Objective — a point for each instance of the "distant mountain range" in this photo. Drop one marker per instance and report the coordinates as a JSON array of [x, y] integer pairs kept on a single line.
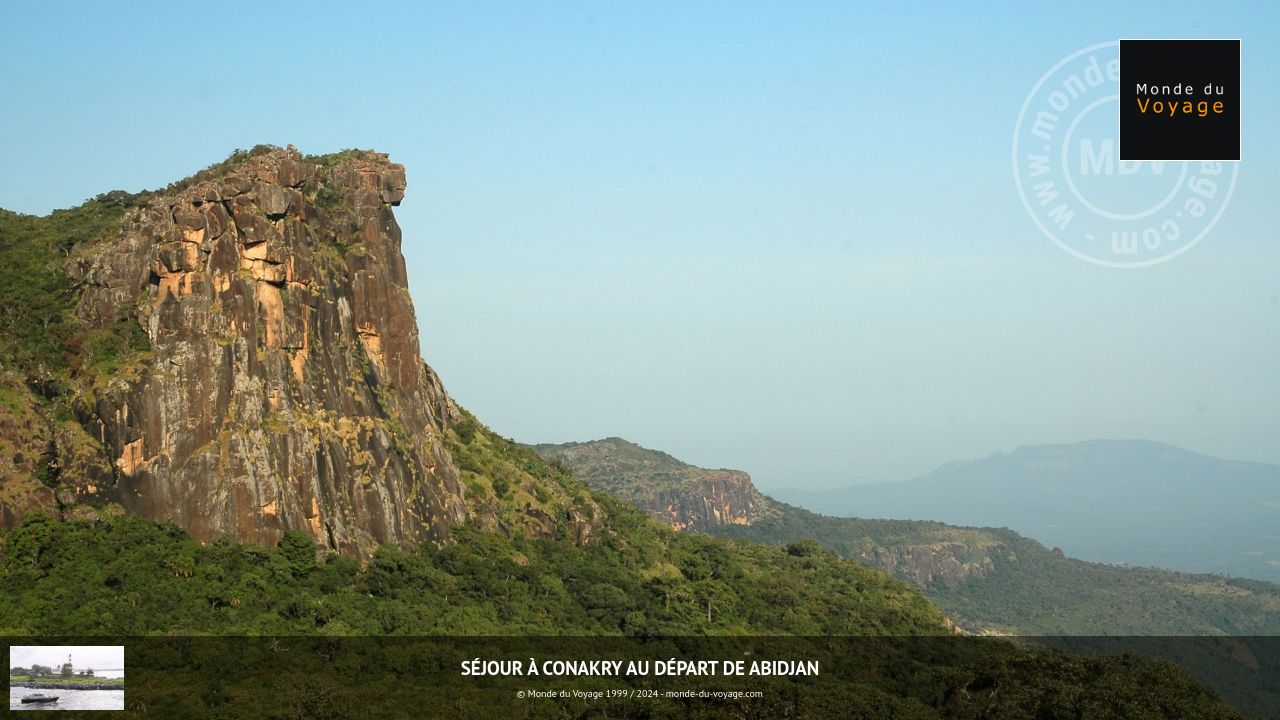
[[987, 579], [1135, 502]]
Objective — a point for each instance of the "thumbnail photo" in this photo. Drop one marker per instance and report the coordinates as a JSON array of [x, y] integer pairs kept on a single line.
[[66, 677]]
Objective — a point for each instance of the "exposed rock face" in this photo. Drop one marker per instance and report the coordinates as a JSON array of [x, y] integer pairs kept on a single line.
[[284, 388], [691, 498], [681, 495], [715, 497], [948, 564]]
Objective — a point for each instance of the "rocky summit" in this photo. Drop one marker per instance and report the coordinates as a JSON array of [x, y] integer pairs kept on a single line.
[[276, 381], [677, 493]]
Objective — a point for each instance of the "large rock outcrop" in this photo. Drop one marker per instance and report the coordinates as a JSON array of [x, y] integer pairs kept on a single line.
[[713, 497], [283, 387], [681, 495], [948, 563]]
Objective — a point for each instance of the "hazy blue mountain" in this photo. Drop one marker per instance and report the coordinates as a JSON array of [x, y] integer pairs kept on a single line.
[[1120, 501]]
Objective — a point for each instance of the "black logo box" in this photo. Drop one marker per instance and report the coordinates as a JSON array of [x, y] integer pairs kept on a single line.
[[1187, 68]]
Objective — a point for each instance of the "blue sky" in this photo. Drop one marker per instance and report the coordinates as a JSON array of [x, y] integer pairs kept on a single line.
[[783, 237]]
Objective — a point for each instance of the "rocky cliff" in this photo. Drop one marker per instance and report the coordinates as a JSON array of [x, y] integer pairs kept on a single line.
[[681, 495], [946, 563], [691, 498], [244, 359]]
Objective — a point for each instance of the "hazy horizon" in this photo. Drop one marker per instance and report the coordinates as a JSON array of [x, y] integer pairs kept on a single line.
[[783, 240], [999, 453]]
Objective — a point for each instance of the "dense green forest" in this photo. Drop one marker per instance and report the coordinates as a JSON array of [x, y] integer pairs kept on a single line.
[[128, 575], [132, 576]]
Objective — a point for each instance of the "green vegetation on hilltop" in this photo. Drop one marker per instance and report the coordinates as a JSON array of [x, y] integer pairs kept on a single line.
[[1040, 592], [131, 576], [513, 486], [623, 468], [48, 356], [136, 576], [238, 157], [1019, 586], [334, 158], [38, 334]]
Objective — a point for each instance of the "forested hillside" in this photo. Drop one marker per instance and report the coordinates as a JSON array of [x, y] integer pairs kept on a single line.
[[988, 580], [995, 580]]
